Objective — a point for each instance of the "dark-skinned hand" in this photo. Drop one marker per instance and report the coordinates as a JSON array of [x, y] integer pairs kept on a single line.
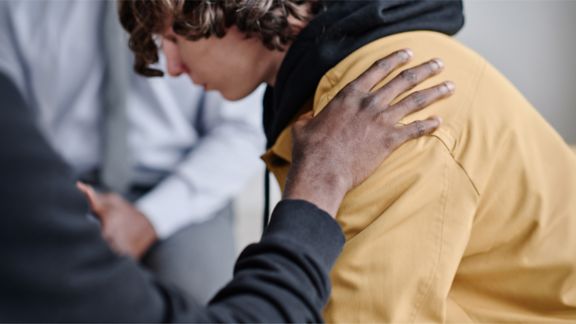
[[345, 143]]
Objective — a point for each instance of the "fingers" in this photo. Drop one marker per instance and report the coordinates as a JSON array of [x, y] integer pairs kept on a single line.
[[91, 195], [419, 128], [379, 70], [407, 80], [419, 100]]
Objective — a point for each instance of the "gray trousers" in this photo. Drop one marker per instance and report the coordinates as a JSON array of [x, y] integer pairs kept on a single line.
[[199, 258]]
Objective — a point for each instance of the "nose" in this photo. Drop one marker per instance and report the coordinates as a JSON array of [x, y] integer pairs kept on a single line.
[[174, 65]]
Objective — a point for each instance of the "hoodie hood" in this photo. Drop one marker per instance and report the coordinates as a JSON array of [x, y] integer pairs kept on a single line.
[[335, 32]]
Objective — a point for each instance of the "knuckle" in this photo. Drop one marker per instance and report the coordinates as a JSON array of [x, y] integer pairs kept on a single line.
[[410, 76], [420, 129], [384, 64], [392, 139], [386, 117], [418, 99]]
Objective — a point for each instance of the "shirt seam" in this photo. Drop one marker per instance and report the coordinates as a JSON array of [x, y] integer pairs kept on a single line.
[[427, 288], [471, 104]]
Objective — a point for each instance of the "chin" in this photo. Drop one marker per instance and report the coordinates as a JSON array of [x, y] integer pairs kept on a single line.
[[230, 97], [236, 95]]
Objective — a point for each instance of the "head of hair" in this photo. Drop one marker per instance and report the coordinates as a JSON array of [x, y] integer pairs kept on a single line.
[[268, 20]]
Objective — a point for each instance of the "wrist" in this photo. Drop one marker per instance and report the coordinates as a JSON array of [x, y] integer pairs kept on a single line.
[[146, 238], [326, 191]]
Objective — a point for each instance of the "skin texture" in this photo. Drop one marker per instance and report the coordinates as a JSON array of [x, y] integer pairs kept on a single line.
[[233, 65], [126, 229], [357, 130], [350, 138]]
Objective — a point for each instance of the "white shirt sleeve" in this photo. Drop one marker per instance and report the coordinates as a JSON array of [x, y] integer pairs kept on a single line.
[[215, 170], [10, 50]]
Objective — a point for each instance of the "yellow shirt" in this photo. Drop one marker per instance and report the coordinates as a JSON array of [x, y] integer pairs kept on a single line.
[[475, 223]]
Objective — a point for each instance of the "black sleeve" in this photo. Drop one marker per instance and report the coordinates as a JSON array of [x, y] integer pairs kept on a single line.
[[284, 277], [55, 267], [54, 264]]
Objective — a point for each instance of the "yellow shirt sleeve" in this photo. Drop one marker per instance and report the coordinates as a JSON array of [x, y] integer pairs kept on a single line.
[[474, 223], [407, 227]]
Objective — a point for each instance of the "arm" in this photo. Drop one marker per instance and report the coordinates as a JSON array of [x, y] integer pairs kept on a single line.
[[207, 178], [407, 226], [330, 136], [56, 267], [200, 185], [284, 277]]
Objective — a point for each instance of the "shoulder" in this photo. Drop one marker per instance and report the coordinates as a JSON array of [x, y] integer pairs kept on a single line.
[[425, 45], [462, 66]]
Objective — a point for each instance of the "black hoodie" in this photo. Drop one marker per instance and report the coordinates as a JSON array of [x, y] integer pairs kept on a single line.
[[338, 30]]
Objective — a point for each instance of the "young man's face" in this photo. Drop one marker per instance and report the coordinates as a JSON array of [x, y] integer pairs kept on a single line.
[[233, 65]]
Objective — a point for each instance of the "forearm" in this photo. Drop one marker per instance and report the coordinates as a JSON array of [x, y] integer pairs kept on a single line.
[[284, 277], [55, 265], [63, 271], [214, 172]]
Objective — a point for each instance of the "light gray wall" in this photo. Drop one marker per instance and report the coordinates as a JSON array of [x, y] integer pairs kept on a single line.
[[533, 42]]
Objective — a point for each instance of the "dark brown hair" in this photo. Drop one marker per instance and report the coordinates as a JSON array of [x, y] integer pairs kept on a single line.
[[195, 19]]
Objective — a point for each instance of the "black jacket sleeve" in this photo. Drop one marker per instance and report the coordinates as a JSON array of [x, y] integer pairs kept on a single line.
[[55, 267], [284, 277]]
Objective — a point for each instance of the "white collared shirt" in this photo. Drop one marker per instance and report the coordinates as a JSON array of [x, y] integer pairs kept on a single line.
[[200, 148]]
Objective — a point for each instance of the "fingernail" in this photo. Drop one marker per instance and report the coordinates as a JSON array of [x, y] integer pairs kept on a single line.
[[437, 64], [449, 86], [406, 54]]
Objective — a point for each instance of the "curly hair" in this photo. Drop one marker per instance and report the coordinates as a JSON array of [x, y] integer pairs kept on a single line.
[[196, 19]]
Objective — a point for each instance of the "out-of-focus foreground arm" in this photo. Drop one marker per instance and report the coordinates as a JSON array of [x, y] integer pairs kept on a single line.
[[56, 266]]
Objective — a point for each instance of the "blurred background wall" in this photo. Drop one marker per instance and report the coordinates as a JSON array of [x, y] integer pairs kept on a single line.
[[533, 42]]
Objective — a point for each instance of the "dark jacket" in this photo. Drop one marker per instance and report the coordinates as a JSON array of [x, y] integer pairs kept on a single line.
[[55, 266]]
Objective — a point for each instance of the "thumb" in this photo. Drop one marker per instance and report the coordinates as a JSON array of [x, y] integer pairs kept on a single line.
[[306, 116], [94, 199], [304, 119]]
